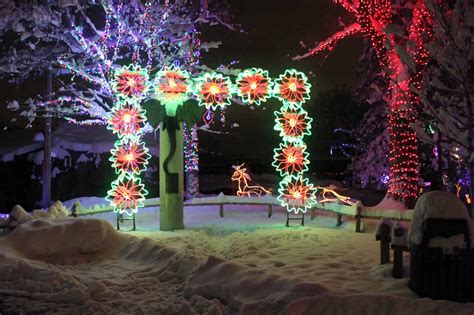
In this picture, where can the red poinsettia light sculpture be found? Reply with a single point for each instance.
(172, 86)
(293, 124)
(290, 159)
(296, 194)
(127, 194)
(213, 90)
(131, 158)
(292, 88)
(254, 86)
(126, 120)
(131, 82)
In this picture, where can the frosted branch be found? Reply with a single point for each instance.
(329, 43)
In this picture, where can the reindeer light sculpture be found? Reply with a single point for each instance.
(242, 178)
(330, 195)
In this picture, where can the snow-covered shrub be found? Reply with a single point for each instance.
(439, 205)
(18, 215)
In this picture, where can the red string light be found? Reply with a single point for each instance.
(372, 17)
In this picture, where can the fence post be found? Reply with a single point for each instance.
(397, 270)
(384, 238)
(221, 210)
(358, 228)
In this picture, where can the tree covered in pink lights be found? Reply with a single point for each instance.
(393, 29)
(448, 96)
(84, 42)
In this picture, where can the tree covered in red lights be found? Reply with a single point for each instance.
(393, 34)
(448, 99)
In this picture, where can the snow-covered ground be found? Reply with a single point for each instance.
(244, 262)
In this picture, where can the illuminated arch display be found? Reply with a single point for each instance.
(129, 155)
(173, 86)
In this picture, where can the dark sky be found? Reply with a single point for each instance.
(274, 29)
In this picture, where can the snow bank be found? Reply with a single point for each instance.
(18, 215)
(84, 266)
(248, 290)
(62, 241)
(440, 205)
(388, 203)
(374, 304)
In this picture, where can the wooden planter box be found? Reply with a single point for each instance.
(438, 276)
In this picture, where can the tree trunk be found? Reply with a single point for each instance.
(191, 161)
(171, 185)
(46, 178)
(192, 184)
(471, 186)
(439, 173)
(470, 139)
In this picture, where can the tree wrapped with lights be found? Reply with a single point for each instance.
(377, 21)
(448, 96)
(191, 160)
(148, 35)
(89, 40)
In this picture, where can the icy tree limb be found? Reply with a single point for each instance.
(329, 43)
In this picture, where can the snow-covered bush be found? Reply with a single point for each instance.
(439, 205)
(18, 215)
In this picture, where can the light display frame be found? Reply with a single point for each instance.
(213, 90)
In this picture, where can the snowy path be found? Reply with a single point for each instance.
(242, 263)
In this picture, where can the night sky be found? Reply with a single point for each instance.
(274, 29)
